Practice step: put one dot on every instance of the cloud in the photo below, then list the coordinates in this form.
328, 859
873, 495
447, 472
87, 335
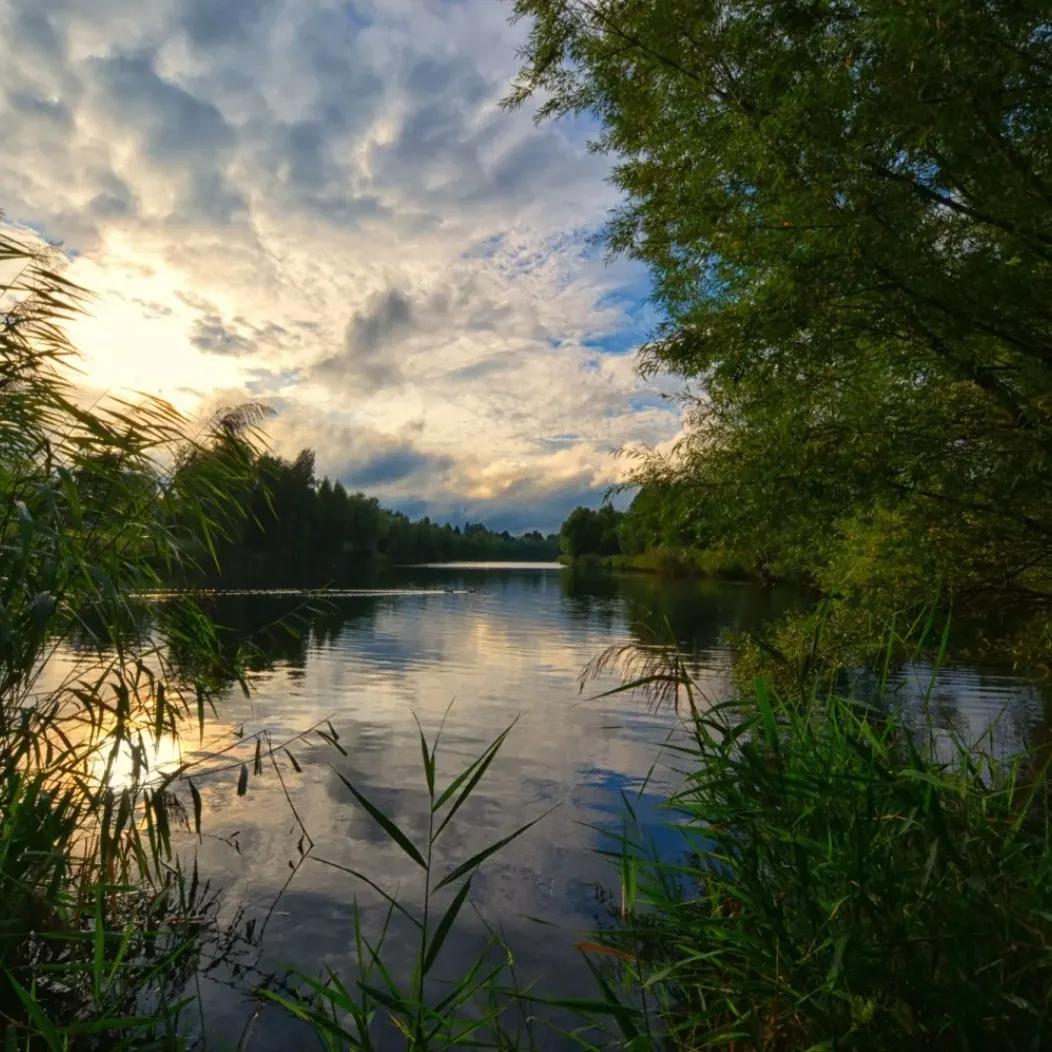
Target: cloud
209, 24
363, 363
395, 465
209, 334
173, 123
371, 329
322, 206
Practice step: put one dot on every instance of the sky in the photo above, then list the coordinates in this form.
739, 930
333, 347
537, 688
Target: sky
322, 207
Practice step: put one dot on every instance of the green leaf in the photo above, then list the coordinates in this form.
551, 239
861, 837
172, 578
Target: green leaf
444, 926
386, 824
476, 860
473, 773
429, 759
55, 1041
587, 1006
763, 704
99, 940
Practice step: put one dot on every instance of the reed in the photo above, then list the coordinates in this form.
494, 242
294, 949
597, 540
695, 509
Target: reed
103, 927
845, 879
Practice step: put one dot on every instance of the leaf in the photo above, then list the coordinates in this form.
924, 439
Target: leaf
394, 903
586, 1005
633, 685
44, 1025
605, 951
106, 1023
329, 740
196, 797
200, 710
429, 759
444, 926
763, 704
624, 1021
456, 783
99, 939
158, 726
476, 860
387, 824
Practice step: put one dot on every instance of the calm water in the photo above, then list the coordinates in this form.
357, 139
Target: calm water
500, 643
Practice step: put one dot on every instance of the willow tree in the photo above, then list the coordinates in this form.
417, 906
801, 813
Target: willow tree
846, 208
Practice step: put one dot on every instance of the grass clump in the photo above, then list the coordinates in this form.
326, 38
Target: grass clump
404, 995
844, 883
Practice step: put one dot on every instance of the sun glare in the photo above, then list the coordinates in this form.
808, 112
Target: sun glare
146, 761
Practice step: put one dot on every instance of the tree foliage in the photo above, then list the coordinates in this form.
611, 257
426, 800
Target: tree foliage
588, 531
846, 208
306, 533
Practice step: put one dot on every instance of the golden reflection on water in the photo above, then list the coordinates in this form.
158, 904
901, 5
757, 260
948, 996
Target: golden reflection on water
95, 747
124, 765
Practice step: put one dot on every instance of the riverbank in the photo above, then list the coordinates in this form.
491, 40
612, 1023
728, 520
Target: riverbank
717, 563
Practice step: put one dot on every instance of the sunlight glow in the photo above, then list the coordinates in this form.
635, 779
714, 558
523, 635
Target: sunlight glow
132, 766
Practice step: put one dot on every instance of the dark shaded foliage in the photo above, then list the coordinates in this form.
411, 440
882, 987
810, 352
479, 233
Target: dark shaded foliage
846, 210
305, 533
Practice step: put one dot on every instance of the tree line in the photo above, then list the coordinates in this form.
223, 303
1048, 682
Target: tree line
302, 531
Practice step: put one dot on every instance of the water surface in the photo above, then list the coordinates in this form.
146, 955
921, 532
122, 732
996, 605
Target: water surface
479, 647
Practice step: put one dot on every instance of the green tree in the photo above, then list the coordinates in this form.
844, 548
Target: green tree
591, 532
846, 208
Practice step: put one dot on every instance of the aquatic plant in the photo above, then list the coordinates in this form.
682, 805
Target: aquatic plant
471, 1008
847, 877
99, 503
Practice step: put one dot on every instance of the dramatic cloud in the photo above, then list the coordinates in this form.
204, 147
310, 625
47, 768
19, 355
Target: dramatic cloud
367, 361
210, 334
321, 205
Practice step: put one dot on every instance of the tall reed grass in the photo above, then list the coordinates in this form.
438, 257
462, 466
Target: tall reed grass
844, 881
102, 927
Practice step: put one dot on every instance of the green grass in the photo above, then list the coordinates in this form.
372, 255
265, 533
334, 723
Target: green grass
470, 1009
843, 885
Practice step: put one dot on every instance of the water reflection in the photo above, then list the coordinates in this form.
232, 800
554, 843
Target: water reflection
128, 764
501, 643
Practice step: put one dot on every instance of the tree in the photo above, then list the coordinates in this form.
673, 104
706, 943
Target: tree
588, 532
846, 208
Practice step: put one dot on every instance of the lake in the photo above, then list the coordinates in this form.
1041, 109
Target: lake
479, 646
